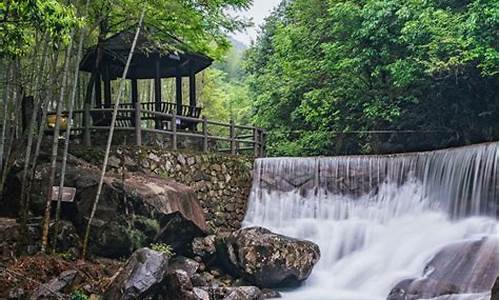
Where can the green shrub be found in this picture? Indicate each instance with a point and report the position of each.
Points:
(163, 248)
(79, 295)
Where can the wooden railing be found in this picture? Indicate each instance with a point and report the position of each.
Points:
(238, 139)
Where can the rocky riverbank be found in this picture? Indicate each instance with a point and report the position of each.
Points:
(167, 227)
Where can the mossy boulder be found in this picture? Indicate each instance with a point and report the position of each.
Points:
(133, 210)
(267, 259)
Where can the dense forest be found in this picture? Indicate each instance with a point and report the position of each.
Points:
(323, 77)
(371, 76)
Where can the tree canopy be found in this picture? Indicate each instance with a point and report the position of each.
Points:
(322, 73)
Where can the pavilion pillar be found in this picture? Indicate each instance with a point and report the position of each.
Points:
(135, 93)
(97, 86)
(192, 90)
(134, 97)
(107, 87)
(157, 92)
(178, 94)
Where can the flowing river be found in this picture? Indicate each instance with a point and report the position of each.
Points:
(380, 219)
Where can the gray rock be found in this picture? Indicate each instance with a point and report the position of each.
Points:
(140, 277)
(270, 294)
(114, 162)
(205, 279)
(201, 294)
(178, 286)
(186, 264)
(244, 293)
(204, 247)
(56, 286)
(466, 267)
(16, 294)
(267, 259)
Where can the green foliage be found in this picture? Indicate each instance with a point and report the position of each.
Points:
(150, 227)
(202, 24)
(321, 70)
(67, 256)
(20, 20)
(163, 248)
(225, 95)
(79, 295)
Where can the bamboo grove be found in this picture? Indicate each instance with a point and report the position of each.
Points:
(41, 44)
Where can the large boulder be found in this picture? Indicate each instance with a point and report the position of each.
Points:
(467, 267)
(267, 259)
(141, 277)
(134, 210)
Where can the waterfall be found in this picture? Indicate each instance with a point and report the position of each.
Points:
(378, 219)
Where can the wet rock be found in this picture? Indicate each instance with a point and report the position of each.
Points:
(267, 259)
(494, 291)
(56, 286)
(468, 267)
(270, 294)
(140, 277)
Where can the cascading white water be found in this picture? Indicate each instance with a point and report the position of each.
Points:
(377, 219)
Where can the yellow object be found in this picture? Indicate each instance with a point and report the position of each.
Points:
(51, 121)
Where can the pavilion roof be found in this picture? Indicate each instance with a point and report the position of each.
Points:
(175, 57)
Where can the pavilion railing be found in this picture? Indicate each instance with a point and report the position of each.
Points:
(214, 135)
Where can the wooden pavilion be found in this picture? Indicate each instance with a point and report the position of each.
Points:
(170, 59)
(157, 121)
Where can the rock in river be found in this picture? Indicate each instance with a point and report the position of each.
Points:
(267, 259)
(466, 267)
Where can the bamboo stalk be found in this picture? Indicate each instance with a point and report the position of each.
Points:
(55, 144)
(68, 133)
(110, 137)
(16, 93)
(40, 133)
(5, 108)
(24, 208)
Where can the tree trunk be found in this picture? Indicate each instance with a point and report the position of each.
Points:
(55, 144)
(110, 137)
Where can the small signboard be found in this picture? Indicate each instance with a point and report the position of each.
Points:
(67, 196)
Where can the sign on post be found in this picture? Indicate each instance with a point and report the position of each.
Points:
(67, 196)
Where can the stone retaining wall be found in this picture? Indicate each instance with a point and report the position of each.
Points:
(222, 182)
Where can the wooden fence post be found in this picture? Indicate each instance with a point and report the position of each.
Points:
(137, 120)
(174, 131)
(86, 130)
(205, 134)
(231, 137)
(256, 144)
